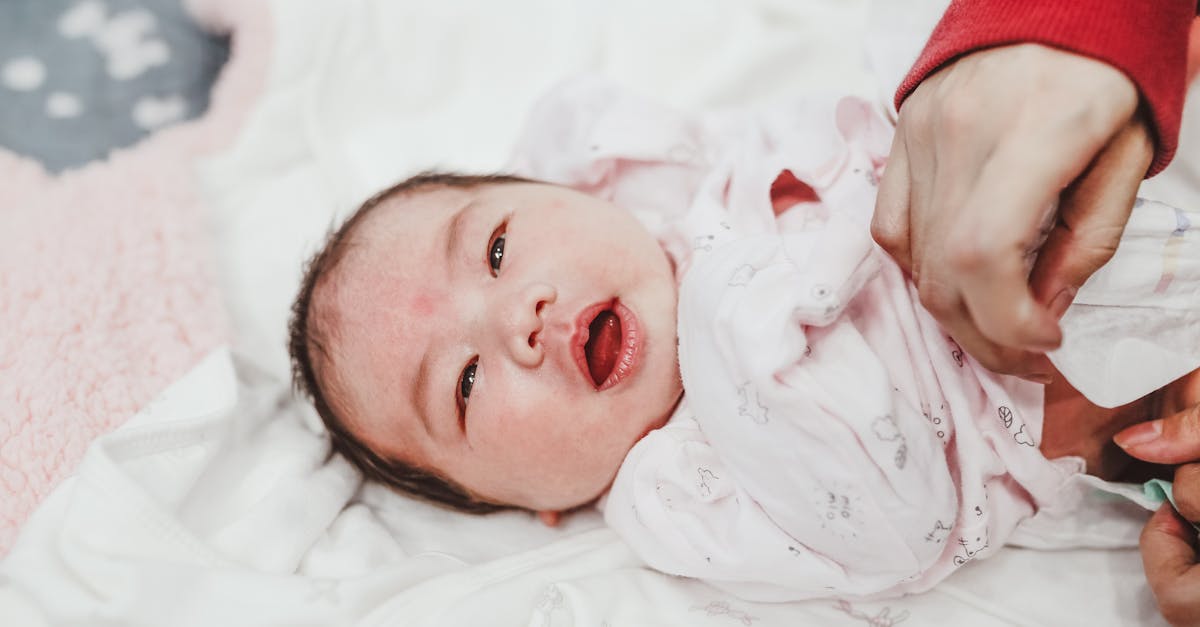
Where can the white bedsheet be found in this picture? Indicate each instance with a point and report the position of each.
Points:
(219, 505)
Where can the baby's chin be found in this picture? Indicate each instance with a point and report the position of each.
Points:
(574, 487)
(578, 491)
(567, 501)
(590, 497)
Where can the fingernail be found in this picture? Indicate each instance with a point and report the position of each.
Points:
(1061, 301)
(1139, 434)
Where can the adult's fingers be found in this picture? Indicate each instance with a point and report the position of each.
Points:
(1168, 547)
(987, 255)
(1186, 490)
(1169, 559)
(1171, 440)
(890, 223)
(1009, 202)
(951, 314)
(1091, 218)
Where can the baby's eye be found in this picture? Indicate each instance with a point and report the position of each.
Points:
(466, 381)
(496, 250)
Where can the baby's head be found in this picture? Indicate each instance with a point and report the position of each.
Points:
(487, 342)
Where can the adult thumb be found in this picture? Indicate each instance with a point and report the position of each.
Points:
(1092, 214)
(1168, 545)
(1171, 440)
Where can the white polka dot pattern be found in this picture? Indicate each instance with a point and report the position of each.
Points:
(24, 74)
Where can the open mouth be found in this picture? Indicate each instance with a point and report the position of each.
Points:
(606, 343)
(603, 345)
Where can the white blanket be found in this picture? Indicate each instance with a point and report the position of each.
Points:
(219, 505)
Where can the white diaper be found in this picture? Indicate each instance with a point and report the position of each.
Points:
(1136, 322)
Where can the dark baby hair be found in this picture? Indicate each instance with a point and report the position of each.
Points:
(307, 339)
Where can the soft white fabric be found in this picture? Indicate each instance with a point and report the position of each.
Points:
(152, 531)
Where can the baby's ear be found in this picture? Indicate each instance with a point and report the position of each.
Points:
(549, 518)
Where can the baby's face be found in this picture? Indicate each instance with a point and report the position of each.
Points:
(462, 326)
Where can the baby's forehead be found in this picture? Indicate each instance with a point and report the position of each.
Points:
(410, 213)
(384, 247)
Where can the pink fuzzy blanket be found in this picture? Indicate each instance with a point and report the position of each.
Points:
(106, 294)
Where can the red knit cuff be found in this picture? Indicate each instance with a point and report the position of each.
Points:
(1145, 39)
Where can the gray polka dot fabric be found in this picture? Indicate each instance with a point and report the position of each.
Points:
(79, 78)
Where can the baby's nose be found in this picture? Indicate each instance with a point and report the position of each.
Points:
(525, 323)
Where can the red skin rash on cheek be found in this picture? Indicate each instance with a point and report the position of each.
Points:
(424, 303)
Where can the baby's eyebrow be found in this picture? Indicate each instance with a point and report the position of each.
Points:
(453, 233)
(420, 392)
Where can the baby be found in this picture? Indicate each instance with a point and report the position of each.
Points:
(492, 341)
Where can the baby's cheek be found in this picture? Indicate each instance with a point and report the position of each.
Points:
(563, 436)
(569, 438)
(425, 302)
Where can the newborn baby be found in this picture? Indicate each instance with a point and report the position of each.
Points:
(492, 341)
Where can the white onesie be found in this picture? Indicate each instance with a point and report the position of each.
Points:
(832, 439)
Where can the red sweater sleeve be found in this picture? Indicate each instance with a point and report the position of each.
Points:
(1146, 39)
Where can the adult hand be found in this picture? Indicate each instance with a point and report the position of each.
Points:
(983, 150)
(1171, 440)
(1168, 542)
(1173, 437)
(1168, 545)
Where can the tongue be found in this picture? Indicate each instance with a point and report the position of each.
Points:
(604, 340)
